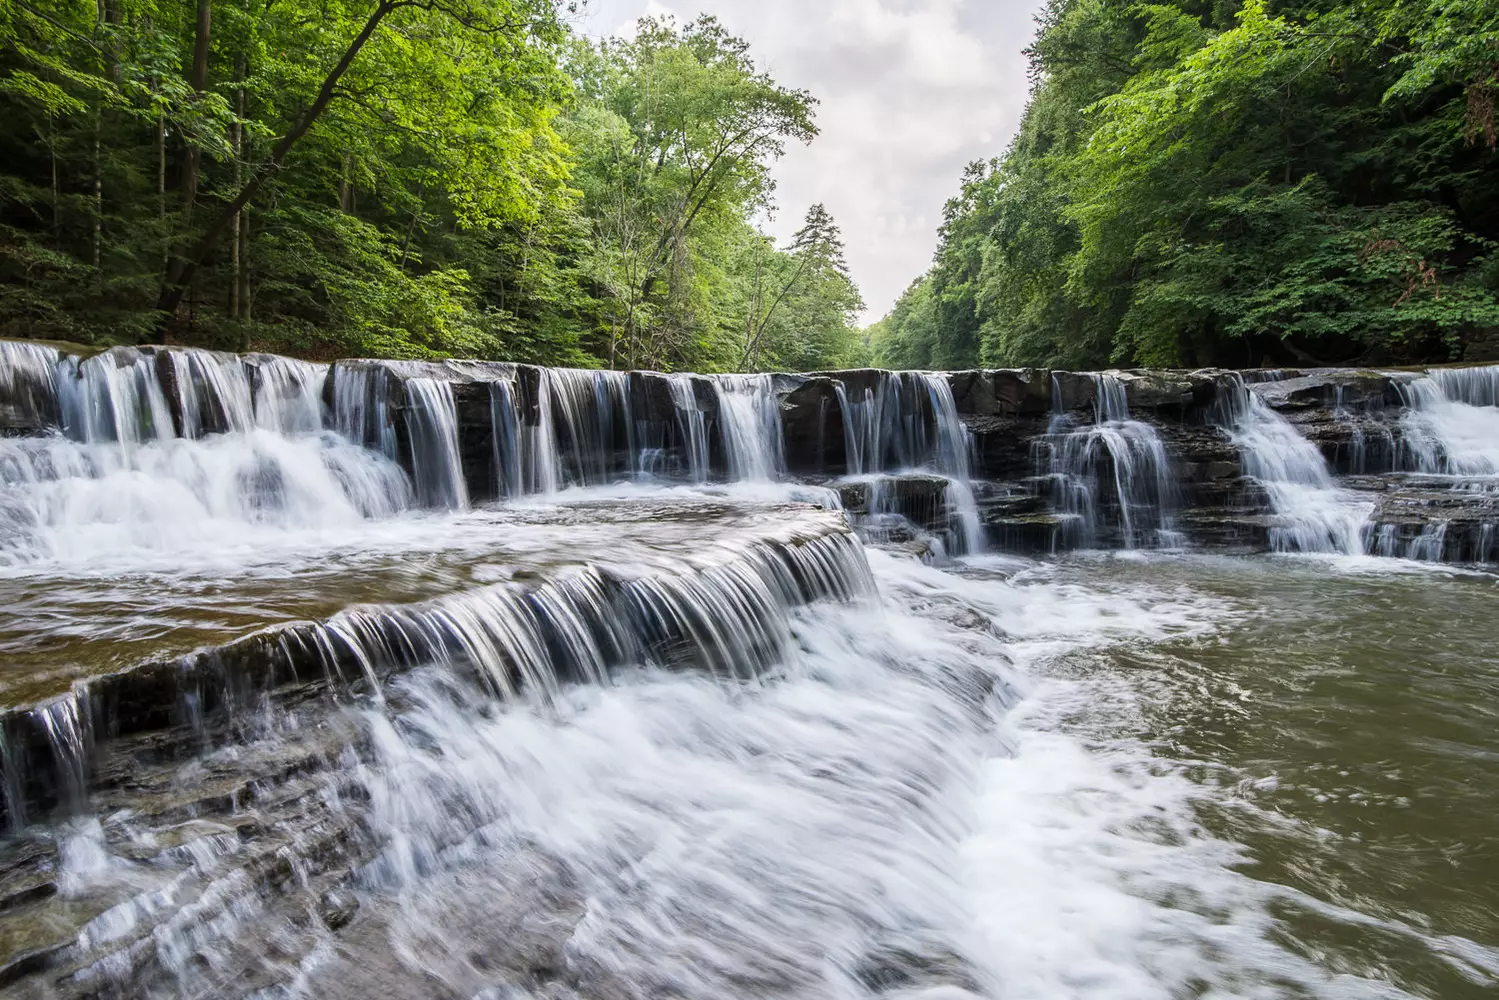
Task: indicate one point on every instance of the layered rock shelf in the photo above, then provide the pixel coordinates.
(1046, 448)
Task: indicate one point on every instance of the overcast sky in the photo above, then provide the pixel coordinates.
(910, 91)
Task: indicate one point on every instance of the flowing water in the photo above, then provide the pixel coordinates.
(1452, 426)
(908, 422)
(290, 714)
(1111, 477)
(1313, 513)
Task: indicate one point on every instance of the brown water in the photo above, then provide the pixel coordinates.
(64, 623)
(1101, 778)
(1342, 724)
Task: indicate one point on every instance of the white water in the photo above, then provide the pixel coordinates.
(113, 397)
(435, 462)
(908, 422)
(842, 800)
(749, 415)
(587, 425)
(691, 422)
(214, 392)
(1115, 468)
(289, 395)
(120, 479)
(1452, 425)
(909, 797)
(1312, 513)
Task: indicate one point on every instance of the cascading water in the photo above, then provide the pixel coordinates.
(692, 425)
(213, 393)
(1312, 514)
(1112, 476)
(749, 416)
(28, 385)
(113, 397)
(587, 422)
(262, 738)
(908, 421)
(882, 427)
(1451, 427)
(435, 461)
(288, 396)
(361, 406)
(951, 459)
(119, 479)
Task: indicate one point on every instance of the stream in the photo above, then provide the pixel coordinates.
(293, 705)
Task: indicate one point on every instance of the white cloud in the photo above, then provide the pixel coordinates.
(910, 91)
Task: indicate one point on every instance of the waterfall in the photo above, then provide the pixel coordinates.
(586, 425)
(882, 427)
(435, 461)
(1312, 513)
(905, 422)
(28, 385)
(951, 459)
(1114, 468)
(361, 406)
(1451, 427)
(508, 432)
(691, 424)
(749, 416)
(114, 396)
(213, 392)
(288, 396)
(118, 482)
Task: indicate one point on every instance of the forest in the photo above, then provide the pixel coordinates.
(1211, 182)
(406, 178)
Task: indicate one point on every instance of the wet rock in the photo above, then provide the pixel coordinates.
(1434, 519)
(1158, 390)
(1038, 533)
(911, 496)
(337, 907)
(812, 427)
(1074, 391)
(1003, 445)
(1330, 389)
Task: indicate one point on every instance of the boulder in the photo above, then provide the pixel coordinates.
(1002, 392)
(1329, 389)
(812, 426)
(1157, 390)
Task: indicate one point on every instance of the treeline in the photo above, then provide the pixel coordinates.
(405, 178)
(1203, 182)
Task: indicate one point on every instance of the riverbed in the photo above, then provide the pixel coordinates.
(287, 710)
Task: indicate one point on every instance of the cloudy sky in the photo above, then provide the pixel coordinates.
(911, 90)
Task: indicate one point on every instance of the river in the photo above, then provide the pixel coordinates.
(634, 733)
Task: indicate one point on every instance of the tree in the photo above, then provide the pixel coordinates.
(1233, 184)
(405, 178)
(686, 129)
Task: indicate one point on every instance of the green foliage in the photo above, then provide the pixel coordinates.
(449, 177)
(1203, 183)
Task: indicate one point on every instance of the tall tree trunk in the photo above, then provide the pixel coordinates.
(56, 195)
(182, 269)
(161, 188)
(96, 243)
(237, 137)
(198, 78)
(244, 270)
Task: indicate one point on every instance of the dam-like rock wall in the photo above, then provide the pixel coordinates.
(1384, 462)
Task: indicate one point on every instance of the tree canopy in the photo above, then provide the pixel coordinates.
(405, 178)
(1212, 182)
